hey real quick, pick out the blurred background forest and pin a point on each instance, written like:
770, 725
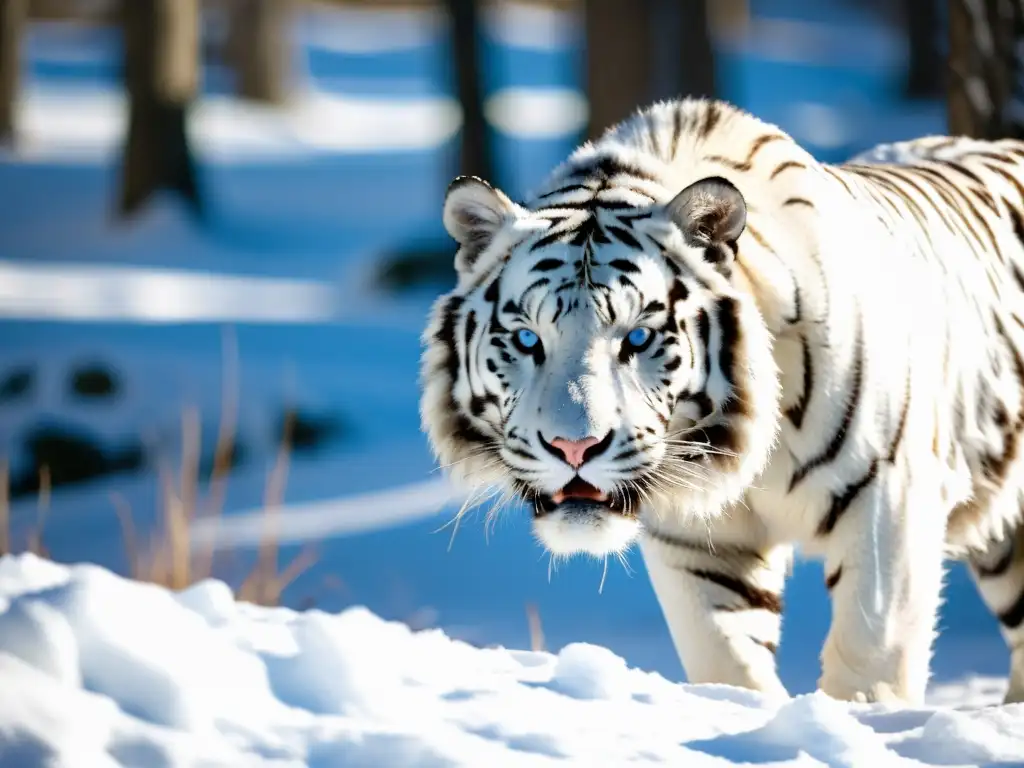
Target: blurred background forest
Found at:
220, 233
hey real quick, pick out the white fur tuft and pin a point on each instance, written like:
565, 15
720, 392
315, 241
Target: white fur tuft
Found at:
598, 534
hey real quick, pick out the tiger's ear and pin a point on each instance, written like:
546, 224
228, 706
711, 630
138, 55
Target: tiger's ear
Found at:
473, 212
710, 213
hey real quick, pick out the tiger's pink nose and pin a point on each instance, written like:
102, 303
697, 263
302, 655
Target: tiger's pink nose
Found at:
574, 450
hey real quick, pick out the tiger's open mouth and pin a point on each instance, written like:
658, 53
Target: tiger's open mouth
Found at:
581, 495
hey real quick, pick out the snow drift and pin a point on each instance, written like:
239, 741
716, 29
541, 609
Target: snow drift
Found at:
98, 670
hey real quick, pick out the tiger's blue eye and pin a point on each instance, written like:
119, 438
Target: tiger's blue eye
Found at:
526, 339
637, 340
639, 337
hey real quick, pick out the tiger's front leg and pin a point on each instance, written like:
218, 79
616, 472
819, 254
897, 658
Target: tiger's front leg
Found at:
723, 607
884, 567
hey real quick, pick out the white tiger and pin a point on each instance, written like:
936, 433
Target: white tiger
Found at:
697, 337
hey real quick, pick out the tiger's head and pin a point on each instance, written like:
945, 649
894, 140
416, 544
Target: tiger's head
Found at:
598, 359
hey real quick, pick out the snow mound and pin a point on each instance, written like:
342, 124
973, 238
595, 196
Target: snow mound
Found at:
101, 671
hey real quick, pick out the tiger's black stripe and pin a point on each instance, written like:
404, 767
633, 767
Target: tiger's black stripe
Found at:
832, 579
1013, 617
842, 501
795, 413
839, 437
755, 597
998, 568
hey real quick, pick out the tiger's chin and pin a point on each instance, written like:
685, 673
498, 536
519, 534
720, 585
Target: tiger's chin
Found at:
584, 526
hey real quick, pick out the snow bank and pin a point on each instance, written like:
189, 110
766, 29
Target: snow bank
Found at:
318, 520
227, 130
104, 292
101, 671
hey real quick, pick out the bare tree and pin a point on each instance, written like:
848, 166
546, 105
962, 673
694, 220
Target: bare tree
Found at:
695, 60
644, 50
13, 17
985, 96
259, 47
416, 265
161, 72
475, 153
924, 70
619, 61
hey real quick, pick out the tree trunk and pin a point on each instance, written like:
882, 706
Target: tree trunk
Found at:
696, 57
161, 71
476, 152
645, 50
924, 71
13, 16
259, 47
429, 263
731, 15
619, 50
986, 76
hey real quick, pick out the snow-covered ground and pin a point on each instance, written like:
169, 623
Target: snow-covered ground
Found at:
99, 671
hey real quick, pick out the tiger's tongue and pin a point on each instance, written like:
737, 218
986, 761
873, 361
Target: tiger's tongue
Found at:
578, 489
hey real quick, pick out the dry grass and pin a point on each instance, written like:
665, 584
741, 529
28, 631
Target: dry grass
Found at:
5, 508
169, 557
536, 630
35, 536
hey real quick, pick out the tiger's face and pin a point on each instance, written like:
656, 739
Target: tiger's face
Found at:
598, 361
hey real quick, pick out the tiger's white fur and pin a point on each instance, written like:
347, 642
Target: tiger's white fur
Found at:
837, 366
